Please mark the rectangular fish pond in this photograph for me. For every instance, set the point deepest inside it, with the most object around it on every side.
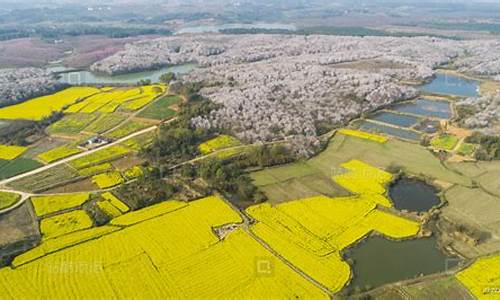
(388, 130)
(426, 108)
(395, 119)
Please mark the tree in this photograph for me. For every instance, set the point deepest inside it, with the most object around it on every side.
(167, 77)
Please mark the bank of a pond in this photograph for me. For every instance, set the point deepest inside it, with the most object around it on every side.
(87, 77)
(377, 261)
(448, 84)
(413, 195)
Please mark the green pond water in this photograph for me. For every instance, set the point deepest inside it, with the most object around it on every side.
(86, 77)
(378, 261)
(413, 195)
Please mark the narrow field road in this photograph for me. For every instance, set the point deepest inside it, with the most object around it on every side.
(24, 197)
(247, 220)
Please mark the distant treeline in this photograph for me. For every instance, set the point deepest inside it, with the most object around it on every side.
(77, 30)
(493, 28)
(331, 30)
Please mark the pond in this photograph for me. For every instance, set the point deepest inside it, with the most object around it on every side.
(86, 77)
(425, 107)
(413, 195)
(395, 119)
(453, 85)
(378, 261)
(397, 132)
(216, 28)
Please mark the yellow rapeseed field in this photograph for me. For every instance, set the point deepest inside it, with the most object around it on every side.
(11, 152)
(109, 100)
(482, 278)
(220, 142)
(109, 209)
(311, 232)
(100, 157)
(364, 179)
(97, 169)
(38, 108)
(65, 223)
(59, 153)
(152, 258)
(122, 207)
(133, 172)
(108, 179)
(363, 135)
(48, 204)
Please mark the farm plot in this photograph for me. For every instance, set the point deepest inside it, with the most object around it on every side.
(17, 166)
(53, 177)
(11, 152)
(310, 233)
(71, 124)
(217, 143)
(491, 182)
(301, 187)
(152, 258)
(113, 200)
(141, 141)
(109, 100)
(161, 109)
(105, 122)
(445, 142)
(45, 205)
(65, 223)
(8, 199)
(466, 149)
(59, 153)
(108, 179)
(477, 209)
(100, 157)
(97, 169)
(126, 129)
(483, 277)
(38, 108)
(363, 135)
(414, 159)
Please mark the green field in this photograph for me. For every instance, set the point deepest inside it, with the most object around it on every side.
(99, 157)
(313, 177)
(415, 159)
(105, 122)
(491, 182)
(477, 209)
(441, 288)
(47, 179)
(126, 129)
(17, 166)
(466, 149)
(445, 142)
(160, 109)
(8, 199)
(71, 124)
